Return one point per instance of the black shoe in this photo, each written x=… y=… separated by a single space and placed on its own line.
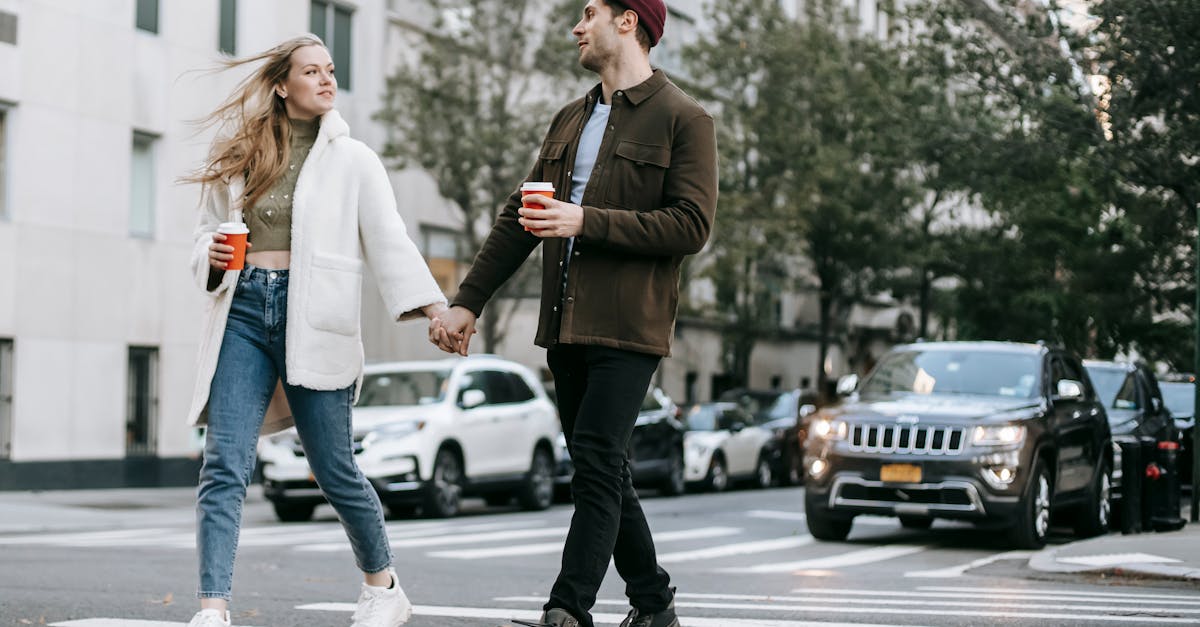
x=665 y=618
x=554 y=618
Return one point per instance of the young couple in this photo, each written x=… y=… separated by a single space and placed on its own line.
x=635 y=163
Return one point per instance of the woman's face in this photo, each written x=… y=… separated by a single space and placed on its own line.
x=310 y=87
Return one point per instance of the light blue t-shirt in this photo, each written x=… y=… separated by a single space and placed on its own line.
x=585 y=160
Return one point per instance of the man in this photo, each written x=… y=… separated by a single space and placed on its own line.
x=636 y=157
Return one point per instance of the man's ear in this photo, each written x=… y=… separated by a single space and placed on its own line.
x=629 y=22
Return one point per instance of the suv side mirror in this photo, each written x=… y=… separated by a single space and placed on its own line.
x=1069 y=390
x=472 y=398
x=847 y=384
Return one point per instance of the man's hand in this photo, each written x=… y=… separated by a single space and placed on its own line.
x=452 y=329
x=554 y=218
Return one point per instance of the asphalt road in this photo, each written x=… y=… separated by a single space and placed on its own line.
x=739 y=559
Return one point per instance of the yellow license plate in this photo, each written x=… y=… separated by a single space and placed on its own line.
x=900 y=473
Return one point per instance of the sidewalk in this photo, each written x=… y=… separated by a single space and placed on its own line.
x=1166 y=555
x=74 y=510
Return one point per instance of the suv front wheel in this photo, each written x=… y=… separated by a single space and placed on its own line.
x=1033 y=518
x=443 y=493
x=1095 y=513
x=823 y=525
x=538 y=491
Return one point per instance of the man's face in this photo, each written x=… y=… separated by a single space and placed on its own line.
x=597 y=35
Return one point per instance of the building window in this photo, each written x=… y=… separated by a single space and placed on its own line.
x=443 y=254
x=331 y=23
x=6 y=398
x=141 y=193
x=141 y=422
x=8 y=28
x=147 y=15
x=227 y=42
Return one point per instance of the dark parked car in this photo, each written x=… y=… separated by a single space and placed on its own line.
x=656 y=449
x=1179 y=395
x=781 y=413
x=997 y=433
x=1133 y=400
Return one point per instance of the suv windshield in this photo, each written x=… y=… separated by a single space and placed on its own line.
x=414 y=387
x=985 y=373
x=1114 y=386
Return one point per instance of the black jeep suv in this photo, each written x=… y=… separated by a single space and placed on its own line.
x=1001 y=434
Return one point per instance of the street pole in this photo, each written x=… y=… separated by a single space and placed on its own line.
x=1195 y=516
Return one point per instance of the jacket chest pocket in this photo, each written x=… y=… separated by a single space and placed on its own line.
x=637 y=174
x=553 y=158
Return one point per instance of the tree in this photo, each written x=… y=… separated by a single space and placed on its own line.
x=469 y=111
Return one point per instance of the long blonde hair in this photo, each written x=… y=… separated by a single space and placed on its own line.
x=253 y=129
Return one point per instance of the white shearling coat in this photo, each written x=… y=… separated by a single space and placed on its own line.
x=343 y=215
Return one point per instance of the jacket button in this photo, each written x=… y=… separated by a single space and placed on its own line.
x=556 y=308
x=577 y=253
x=570 y=299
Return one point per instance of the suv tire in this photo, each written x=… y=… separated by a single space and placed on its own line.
x=443 y=492
x=537 y=493
x=916 y=522
x=823 y=525
x=674 y=483
x=294 y=512
x=717 y=479
x=1095 y=515
x=1033 y=518
x=763 y=477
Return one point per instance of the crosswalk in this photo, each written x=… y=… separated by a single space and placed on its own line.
x=827 y=607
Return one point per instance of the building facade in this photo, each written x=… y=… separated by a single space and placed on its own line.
x=99 y=317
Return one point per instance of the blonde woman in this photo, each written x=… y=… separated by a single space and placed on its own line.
x=283 y=341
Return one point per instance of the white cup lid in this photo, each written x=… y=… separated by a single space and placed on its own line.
x=233 y=228
x=534 y=186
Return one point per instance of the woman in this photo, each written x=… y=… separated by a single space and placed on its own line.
x=283 y=340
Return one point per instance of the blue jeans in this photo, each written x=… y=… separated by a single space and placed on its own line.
x=250 y=364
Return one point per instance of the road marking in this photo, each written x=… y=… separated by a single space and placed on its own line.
x=1142 y=615
x=958 y=571
x=600 y=618
x=740 y=548
x=853 y=558
x=119 y=622
x=682 y=597
x=556 y=547
x=86 y=538
x=1013 y=595
x=1081 y=593
x=449 y=539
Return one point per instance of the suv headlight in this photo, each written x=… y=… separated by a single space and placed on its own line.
x=393 y=431
x=998 y=435
x=826 y=429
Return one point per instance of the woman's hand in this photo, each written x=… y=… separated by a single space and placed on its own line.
x=219 y=255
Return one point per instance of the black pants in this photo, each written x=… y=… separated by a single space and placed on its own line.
x=600 y=392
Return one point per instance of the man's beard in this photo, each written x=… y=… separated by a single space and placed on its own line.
x=593 y=60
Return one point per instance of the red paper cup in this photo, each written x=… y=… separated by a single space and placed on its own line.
x=540 y=188
x=235 y=235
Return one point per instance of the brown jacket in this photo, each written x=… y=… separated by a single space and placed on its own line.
x=650 y=201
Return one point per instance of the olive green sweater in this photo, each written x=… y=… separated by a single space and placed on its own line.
x=270 y=221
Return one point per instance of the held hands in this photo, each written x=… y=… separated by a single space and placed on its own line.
x=219 y=255
x=553 y=218
x=451 y=329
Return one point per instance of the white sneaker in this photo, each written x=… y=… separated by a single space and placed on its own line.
x=382 y=607
x=210 y=618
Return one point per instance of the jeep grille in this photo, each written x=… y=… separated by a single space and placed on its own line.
x=913 y=439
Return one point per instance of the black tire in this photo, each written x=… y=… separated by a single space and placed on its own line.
x=792 y=471
x=402 y=510
x=717 y=479
x=674 y=483
x=537 y=493
x=916 y=522
x=443 y=493
x=763 y=475
x=294 y=512
x=497 y=499
x=1033 y=519
x=1095 y=515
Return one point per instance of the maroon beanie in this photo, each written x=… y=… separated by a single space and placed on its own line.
x=651 y=13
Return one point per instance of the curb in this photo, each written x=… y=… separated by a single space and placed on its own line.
x=1046 y=561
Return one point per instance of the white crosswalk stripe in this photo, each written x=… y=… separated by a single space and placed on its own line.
x=825 y=602
x=556 y=547
x=853 y=558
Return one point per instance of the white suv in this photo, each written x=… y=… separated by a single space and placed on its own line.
x=426 y=433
